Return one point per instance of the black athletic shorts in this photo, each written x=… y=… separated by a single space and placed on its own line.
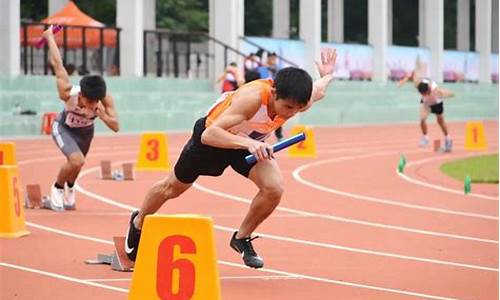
x=198 y=159
x=436 y=108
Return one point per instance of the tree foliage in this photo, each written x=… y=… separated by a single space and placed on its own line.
x=182 y=15
x=103 y=10
x=258 y=17
x=34 y=11
x=404 y=18
x=192 y=15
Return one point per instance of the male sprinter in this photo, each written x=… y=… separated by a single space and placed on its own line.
x=430 y=102
x=73 y=128
x=235 y=126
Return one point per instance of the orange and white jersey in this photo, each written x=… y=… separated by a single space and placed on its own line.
x=433 y=97
x=260 y=125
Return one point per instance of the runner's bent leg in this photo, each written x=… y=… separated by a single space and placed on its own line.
x=168 y=188
x=267 y=176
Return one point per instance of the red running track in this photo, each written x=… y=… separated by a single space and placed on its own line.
x=348 y=227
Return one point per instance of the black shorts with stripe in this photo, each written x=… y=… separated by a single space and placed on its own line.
x=199 y=159
x=436 y=108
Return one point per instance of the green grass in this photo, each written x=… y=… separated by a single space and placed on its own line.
x=481 y=169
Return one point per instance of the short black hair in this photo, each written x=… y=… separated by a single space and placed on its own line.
x=293 y=83
x=423 y=87
x=93 y=87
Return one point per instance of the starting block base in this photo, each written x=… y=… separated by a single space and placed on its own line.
x=118 y=260
x=106 y=170
x=437 y=146
x=126 y=173
x=33 y=197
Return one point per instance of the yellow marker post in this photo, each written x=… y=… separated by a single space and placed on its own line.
x=11 y=204
x=176 y=260
x=153 y=153
x=475 y=138
x=7 y=153
x=306 y=148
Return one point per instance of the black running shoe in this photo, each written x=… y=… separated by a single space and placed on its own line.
x=244 y=246
x=132 y=238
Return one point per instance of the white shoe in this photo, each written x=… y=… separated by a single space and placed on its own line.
x=70 y=199
x=424 y=141
x=448 y=145
x=56 y=199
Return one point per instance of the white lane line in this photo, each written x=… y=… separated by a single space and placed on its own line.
x=290 y=210
x=298 y=241
x=350 y=284
x=239 y=265
x=296 y=175
x=75 y=213
x=438 y=187
x=61 y=157
x=365 y=251
x=69 y=234
x=270 y=277
x=347 y=220
x=63 y=277
x=108 y=279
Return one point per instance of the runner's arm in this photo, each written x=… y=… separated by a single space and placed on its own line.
x=62 y=78
x=325 y=68
x=105 y=110
x=244 y=105
x=444 y=93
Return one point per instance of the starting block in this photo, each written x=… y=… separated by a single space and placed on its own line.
x=127 y=172
x=106 y=170
x=118 y=260
x=34 y=199
x=437 y=145
x=33 y=196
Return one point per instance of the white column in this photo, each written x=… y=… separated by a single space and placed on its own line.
x=389 y=22
x=56 y=5
x=310 y=33
x=377 y=37
x=281 y=19
x=434 y=36
x=10 y=18
x=227 y=21
x=149 y=15
x=421 y=23
x=335 y=10
x=463 y=25
x=483 y=38
x=494 y=27
x=129 y=17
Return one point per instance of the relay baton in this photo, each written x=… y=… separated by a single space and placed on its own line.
x=280 y=146
x=42 y=40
